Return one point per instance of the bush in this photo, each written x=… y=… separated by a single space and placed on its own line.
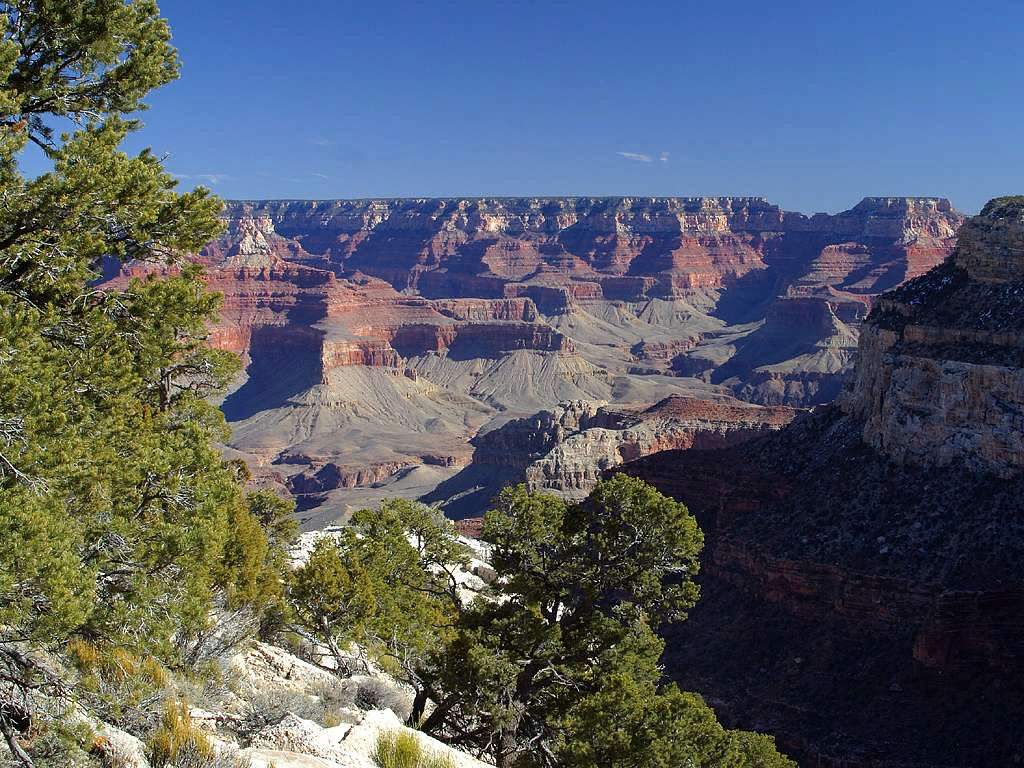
x=270 y=706
x=402 y=750
x=122 y=687
x=177 y=737
x=380 y=693
x=59 y=744
x=178 y=743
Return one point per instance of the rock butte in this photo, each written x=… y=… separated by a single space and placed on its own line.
x=384 y=339
x=863 y=579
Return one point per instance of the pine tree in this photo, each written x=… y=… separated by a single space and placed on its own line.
x=562 y=668
x=119 y=519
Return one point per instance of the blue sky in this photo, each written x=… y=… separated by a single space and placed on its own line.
x=811 y=104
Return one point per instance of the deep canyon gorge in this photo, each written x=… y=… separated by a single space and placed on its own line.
x=391 y=345
x=861 y=577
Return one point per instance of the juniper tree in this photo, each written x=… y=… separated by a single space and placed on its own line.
x=116 y=510
x=562 y=668
x=386 y=582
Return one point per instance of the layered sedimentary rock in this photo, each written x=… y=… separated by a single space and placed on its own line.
x=863 y=584
x=616 y=248
x=388 y=334
x=942 y=381
x=566 y=449
x=574 y=462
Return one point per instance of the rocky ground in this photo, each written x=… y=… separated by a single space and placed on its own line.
x=250 y=704
x=271 y=708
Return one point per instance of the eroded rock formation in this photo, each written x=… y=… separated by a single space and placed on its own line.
x=863 y=583
x=381 y=337
x=574 y=462
x=566 y=449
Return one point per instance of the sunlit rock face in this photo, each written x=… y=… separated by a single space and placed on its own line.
x=940 y=380
x=620 y=248
x=383 y=339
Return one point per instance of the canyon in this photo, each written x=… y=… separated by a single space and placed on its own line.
x=385 y=340
x=862 y=580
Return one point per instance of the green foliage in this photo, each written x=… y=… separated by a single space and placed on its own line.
x=402 y=750
x=119 y=686
x=61 y=744
x=332 y=594
x=562 y=669
x=275 y=517
x=121 y=524
x=385 y=582
x=177 y=743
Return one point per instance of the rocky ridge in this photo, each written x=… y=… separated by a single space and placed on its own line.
x=567 y=451
x=862 y=584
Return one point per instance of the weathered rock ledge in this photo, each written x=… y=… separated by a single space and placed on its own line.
x=941 y=373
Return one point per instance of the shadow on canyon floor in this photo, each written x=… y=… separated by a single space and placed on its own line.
x=470 y=492
x=283 y=363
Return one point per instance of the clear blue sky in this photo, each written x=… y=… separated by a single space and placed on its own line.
x=810 y=104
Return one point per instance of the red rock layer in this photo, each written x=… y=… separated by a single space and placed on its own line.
x=591 y=247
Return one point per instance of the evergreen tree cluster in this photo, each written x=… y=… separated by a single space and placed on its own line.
x=128 y=544
x=557 y=663
x=120 y=524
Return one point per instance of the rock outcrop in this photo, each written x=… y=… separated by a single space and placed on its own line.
x=941 y=381
x=575 y=462
x=564 y=450
x=268 y=678
x=863 y=584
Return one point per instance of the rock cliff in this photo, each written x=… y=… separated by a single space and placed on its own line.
x=565 y=450
x=381 y=337
x=863 y=579
x=575 y=462
x=941 y=381
x=619 y=248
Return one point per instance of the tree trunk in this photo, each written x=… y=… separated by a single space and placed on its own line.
x=507 y=748
x=12 y=741
x=418 y=705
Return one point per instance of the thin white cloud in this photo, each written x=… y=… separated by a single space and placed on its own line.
x=640 y=158
x=181 y=176
x=664 y=157
x=214 y=178
x=320 y=141
x=323 y=176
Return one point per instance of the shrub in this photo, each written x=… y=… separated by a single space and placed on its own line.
x=268 y=707
x=123 y=687
x=55 y=743
x=401 y=749
x=178 y=743
x=380 y=693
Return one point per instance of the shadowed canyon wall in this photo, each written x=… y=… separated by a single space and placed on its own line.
x=864 y=571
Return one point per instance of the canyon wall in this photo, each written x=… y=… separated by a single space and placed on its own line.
x=371 y=274
x=942 y=374
x=586 y=248
x=382 y=336
x=863 y=579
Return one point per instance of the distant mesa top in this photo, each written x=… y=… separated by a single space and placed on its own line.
x=625 y=248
